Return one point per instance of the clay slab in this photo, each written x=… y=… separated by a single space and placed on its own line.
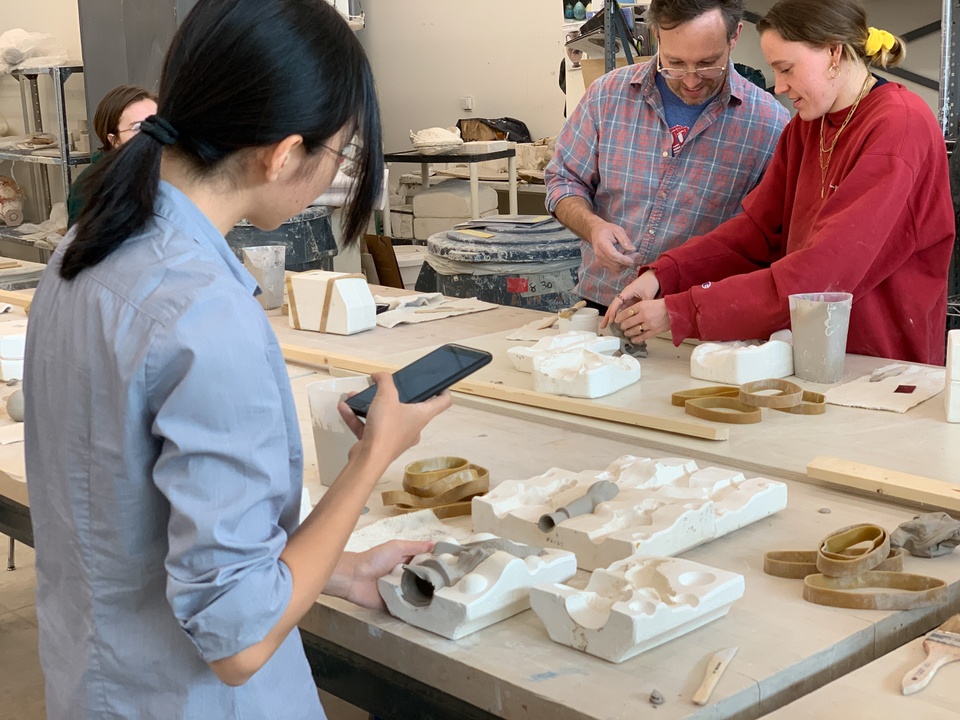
x=498 y=588
x=664 y=507
x=635 y=605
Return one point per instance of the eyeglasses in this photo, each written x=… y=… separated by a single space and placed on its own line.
x=349 y=157
x=707 y=73
x=134 y=128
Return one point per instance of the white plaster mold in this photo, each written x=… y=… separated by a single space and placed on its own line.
x=739 y=362
x=522 y=356
x=663 y=507
x=348 y=304
x=635 y=605
x=433 y=593
x=579 y=372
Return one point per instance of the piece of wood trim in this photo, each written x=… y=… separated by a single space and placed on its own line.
x=892 y=483
x=16 y=298
x=520 y=396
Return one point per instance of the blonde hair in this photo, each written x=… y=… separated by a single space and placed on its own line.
x=824 y=23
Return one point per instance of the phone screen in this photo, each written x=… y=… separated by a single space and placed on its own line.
x=428 y=376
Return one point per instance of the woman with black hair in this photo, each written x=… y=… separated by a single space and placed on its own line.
x=162 y=443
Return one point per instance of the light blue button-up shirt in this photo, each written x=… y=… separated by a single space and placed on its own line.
x=164 y=467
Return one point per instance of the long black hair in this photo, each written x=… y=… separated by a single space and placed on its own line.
x=239 y=74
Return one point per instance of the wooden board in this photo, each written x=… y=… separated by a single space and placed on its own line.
x=15 y=298
x=520 y=396
x=882 y=481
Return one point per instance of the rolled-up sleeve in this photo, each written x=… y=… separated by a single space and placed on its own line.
x=224 y=468
x=574 y=168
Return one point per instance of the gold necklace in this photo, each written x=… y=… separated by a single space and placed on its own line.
x=824 y=152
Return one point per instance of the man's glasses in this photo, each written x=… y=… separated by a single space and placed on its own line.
x=707 y=73
x=349 y=157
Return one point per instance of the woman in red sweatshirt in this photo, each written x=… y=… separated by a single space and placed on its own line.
x=856 y=199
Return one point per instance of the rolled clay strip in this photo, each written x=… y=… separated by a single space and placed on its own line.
x=874 y=590
x=811 y=403
x=599 y=492
x=833 y=560
x=789 y=396
x=704 y=408
x=797 y=564
x=680 y=398
x=442 y=484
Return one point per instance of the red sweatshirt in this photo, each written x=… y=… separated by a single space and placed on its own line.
x=884 y=232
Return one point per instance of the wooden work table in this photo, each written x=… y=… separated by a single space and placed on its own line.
x=788 y=647
x=874 y=690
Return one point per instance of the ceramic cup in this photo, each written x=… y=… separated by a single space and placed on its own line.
x=583 y=320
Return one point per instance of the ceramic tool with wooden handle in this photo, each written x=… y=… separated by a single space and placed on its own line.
x=718 y=663
x=942 y=646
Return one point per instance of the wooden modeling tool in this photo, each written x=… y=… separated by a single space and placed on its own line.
x=718 y=663
x=942 y=646
x=566 y=314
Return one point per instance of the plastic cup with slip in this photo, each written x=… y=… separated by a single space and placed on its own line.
x=331 y=436
x=819 y=322
x=267 y=264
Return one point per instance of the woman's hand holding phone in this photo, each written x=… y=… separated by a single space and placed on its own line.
x=392 y=427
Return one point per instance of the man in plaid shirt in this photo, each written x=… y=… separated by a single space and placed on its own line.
x=657 y=153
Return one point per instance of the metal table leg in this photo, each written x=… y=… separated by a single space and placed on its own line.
x=11 y=560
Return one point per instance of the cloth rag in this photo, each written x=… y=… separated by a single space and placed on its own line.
x=425 y=307
x=896 y=393
x=928 y=535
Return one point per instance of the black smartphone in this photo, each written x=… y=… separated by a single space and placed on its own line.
x=426 y=377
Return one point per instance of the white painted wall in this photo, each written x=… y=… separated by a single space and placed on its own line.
x=427 y=54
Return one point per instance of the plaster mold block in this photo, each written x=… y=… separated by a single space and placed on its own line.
x=330 y=302
x=522 y=356
x=736 y=363
x=951 y=401
x=461 y=588
x=13 y=338
x=953 y=356
x=635 y=605
x=581 y=373
x=662 y=507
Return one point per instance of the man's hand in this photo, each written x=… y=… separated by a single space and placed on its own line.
x=607 y=240
x=355 y=578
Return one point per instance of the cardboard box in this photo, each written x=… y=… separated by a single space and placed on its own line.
x=592 y=68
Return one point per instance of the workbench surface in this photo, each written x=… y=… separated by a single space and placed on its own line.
x=788 y=647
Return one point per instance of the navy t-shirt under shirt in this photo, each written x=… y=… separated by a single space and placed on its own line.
x=680 y=116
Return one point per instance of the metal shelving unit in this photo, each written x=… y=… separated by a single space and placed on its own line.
x=28 y=78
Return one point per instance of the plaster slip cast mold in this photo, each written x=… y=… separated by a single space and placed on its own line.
x=663 y=507
x=582 y=373
x=635 y=605
x=461 y=588
x=736 y=363
x=522 y=356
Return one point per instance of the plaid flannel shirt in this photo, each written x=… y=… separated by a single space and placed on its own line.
x=615 y=152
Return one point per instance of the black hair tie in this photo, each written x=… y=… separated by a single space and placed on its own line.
x=160 y=130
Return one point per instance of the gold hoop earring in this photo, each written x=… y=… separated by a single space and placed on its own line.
x=834 y=71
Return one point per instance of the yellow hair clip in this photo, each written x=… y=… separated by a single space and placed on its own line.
x=877 y=39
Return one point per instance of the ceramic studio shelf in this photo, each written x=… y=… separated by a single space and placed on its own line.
x=28 y=157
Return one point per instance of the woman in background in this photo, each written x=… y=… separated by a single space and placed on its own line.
x=116 y=121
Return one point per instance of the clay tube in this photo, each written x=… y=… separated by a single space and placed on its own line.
x=599 y=492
